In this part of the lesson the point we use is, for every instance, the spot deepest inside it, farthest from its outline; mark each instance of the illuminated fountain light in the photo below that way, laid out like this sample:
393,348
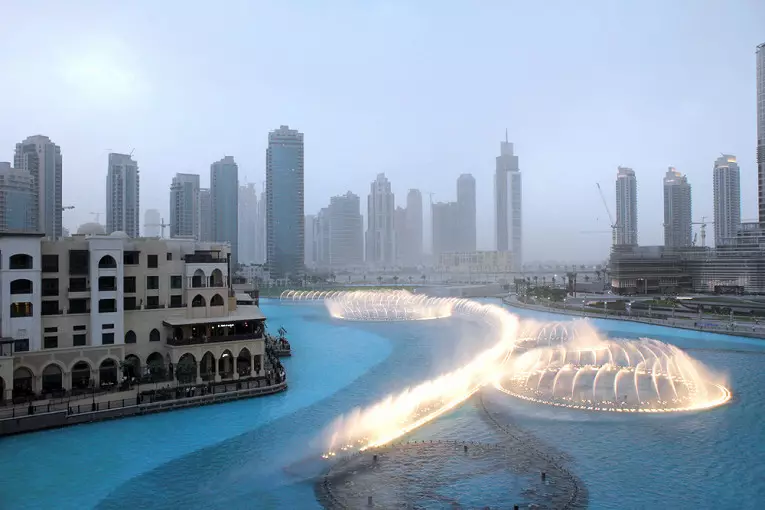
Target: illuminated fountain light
368,305
595,374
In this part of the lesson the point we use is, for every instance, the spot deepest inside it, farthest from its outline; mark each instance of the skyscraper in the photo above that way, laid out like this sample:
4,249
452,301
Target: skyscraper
507,203
400,234
727,197
224,204
18,202
626,231
123,191
152,222
42,159
185,216
760,54
248,223
677,210
285,206
381,243
346,231
205,215
413,247
466,226
309,246
261,237
321,235
445,217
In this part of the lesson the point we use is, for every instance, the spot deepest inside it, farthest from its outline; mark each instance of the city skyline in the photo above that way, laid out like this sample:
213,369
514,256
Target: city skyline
565,143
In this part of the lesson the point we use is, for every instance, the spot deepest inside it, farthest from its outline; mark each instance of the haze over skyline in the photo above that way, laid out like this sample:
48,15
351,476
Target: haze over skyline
420,92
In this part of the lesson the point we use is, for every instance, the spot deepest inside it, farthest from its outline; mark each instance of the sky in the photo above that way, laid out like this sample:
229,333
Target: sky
422,91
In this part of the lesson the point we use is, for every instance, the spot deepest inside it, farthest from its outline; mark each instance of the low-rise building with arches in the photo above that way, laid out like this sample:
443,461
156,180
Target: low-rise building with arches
90,310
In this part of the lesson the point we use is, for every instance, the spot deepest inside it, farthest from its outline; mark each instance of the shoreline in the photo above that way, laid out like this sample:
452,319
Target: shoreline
677,324
67,418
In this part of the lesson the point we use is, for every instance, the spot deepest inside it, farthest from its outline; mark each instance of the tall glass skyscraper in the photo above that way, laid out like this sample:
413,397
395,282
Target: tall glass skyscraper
626,231
761,129
507,202
184,206
123,195
285,235
677,210
224,204
42,159
726,177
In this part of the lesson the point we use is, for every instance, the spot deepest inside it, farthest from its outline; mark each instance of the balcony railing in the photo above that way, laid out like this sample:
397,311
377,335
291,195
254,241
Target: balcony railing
177,342
78,289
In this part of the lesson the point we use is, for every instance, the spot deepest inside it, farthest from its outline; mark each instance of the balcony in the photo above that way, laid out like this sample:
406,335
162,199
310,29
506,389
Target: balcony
199,340
205,258
78,292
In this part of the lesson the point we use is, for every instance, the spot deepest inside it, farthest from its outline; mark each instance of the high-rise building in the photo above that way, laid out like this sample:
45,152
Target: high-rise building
310,241
445,216
285,234
761,130
626,231
466,226
152,222
248,223
322,238
727,197
123,191
346,231
261,236
205,215
224,204
185,216
677,210
413,247
17,200
508,205
42,159
400,234
380,243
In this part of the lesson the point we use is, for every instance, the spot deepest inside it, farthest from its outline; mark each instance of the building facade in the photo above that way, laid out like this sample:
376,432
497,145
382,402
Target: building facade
248,223
626,229
285,206
123,191
727,198
82,312
322,238
445,216
205,215
508,204
185,214
413,243
380,242
760,56
466,226
42,159
309,246
224,203
18,200
152,223
346,231
678,222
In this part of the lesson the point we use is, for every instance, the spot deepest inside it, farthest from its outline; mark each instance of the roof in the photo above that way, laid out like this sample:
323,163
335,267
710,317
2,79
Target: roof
242,313
241,296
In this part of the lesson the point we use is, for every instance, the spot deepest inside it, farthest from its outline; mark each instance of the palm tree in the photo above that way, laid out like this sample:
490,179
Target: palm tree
410,280
544,281
424,278
586,278
395,279
536,281
379,279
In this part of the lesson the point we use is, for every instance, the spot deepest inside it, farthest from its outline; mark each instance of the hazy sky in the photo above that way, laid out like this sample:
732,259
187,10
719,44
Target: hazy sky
422,91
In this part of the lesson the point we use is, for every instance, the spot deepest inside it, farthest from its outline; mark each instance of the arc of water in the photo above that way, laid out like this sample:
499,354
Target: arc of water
655,377
564,368
602,369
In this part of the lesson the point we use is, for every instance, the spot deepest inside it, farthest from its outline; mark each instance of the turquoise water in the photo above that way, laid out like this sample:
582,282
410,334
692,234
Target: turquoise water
248,454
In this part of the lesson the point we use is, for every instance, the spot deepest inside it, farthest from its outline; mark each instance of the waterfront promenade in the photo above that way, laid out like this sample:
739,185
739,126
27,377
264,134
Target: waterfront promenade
703,324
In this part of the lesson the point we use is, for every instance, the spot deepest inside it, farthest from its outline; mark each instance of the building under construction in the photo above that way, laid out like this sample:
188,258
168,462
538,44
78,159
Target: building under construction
737,266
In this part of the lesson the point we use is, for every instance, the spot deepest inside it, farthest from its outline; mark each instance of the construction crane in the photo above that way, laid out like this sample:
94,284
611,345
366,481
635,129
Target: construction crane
161,225
96,216
67,208
703,224
608,211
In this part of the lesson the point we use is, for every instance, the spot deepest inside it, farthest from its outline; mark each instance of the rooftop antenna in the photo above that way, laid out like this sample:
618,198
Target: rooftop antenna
506,140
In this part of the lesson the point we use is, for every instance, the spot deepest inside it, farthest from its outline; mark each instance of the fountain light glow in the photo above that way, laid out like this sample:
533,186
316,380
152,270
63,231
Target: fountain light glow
560,364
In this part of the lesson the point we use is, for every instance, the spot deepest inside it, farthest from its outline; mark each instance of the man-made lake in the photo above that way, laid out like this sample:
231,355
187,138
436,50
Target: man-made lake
247,454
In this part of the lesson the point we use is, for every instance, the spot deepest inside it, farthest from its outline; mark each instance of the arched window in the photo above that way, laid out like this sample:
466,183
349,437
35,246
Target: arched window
198,279
81,375
198,301
108,372
154,335
130,337
20,261
217,300
52,378
21,286
107,262
216,278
